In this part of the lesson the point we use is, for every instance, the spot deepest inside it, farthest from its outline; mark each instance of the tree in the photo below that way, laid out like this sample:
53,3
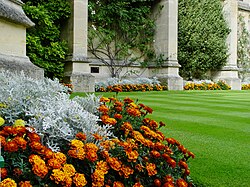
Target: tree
201,37
44,45
243,53
121,33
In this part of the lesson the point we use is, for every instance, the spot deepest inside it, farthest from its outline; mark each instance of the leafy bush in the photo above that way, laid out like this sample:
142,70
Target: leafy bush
44,45
46,106
202,34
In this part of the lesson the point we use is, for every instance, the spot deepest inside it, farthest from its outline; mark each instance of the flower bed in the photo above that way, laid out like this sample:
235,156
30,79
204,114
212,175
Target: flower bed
84,141
139,84
206,85
245,86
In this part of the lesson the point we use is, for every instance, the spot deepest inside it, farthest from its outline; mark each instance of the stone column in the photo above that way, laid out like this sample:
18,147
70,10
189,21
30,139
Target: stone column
77,70
166,43
229,73
13,24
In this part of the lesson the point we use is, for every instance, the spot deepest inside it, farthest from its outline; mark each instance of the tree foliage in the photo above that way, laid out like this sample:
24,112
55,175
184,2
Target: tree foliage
121,32
201,37
243,53
44,46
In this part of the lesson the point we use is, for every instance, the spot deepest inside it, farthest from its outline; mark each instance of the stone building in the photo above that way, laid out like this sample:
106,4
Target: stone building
13,24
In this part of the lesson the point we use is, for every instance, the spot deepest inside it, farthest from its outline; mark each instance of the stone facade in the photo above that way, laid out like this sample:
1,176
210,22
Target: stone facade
77,70
13,24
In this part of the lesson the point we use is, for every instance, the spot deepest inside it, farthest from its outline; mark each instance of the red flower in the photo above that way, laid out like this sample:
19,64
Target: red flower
3,173
181,183
11,146
81,136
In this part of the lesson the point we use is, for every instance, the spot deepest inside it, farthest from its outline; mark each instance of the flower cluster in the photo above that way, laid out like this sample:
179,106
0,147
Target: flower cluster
139,84
245,87
131,87
220,85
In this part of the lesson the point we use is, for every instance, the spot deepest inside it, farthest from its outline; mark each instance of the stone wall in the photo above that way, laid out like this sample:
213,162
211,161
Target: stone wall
13,24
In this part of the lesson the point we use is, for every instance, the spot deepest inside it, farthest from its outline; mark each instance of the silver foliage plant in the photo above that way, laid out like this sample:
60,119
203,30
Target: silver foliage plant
139,80
46,106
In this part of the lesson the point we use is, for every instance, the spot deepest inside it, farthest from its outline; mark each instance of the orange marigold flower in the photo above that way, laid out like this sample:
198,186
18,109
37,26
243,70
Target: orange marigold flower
153,124
162,124
133,105
171,162
11,146
118,104
171,141
34,137
79,180
36,146
118,184
114,163
137,184
17,172
48,153
110,121
69,170
168,178
54,164
182,149
9,130
97,136
126,126
126,171
91,147
8,182
155,154
118,109
159,146
21,142
183,164
105,154
104,99
40,169
128,100
104,109
191,154
3,173
97,178
76,144
118,116
57,175
81,136
21,130
103,166
139,167
34,158
181,183
2,141
92,156
151,168
132,155
24,184
77,153
134,112
168,184
61,157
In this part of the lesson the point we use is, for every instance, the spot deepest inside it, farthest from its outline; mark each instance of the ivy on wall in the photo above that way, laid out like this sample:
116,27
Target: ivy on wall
44,45
121,33
201,37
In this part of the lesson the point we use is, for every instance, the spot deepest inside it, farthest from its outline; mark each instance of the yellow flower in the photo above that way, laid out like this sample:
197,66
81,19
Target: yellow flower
1,121
79,180
19,123
8,183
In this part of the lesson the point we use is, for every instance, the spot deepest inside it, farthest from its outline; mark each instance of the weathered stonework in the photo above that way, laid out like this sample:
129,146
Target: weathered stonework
166,43
229,73
13,24
77,70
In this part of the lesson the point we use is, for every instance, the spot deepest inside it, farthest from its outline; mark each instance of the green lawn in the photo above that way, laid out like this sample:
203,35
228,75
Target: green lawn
215,125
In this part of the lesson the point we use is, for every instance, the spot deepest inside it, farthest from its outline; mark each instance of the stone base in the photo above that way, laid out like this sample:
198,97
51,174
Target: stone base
173,82
228,74
82,82
18,64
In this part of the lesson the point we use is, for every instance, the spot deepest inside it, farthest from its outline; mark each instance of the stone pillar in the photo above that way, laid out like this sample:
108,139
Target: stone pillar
77,70
229,73
166,43
13,24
